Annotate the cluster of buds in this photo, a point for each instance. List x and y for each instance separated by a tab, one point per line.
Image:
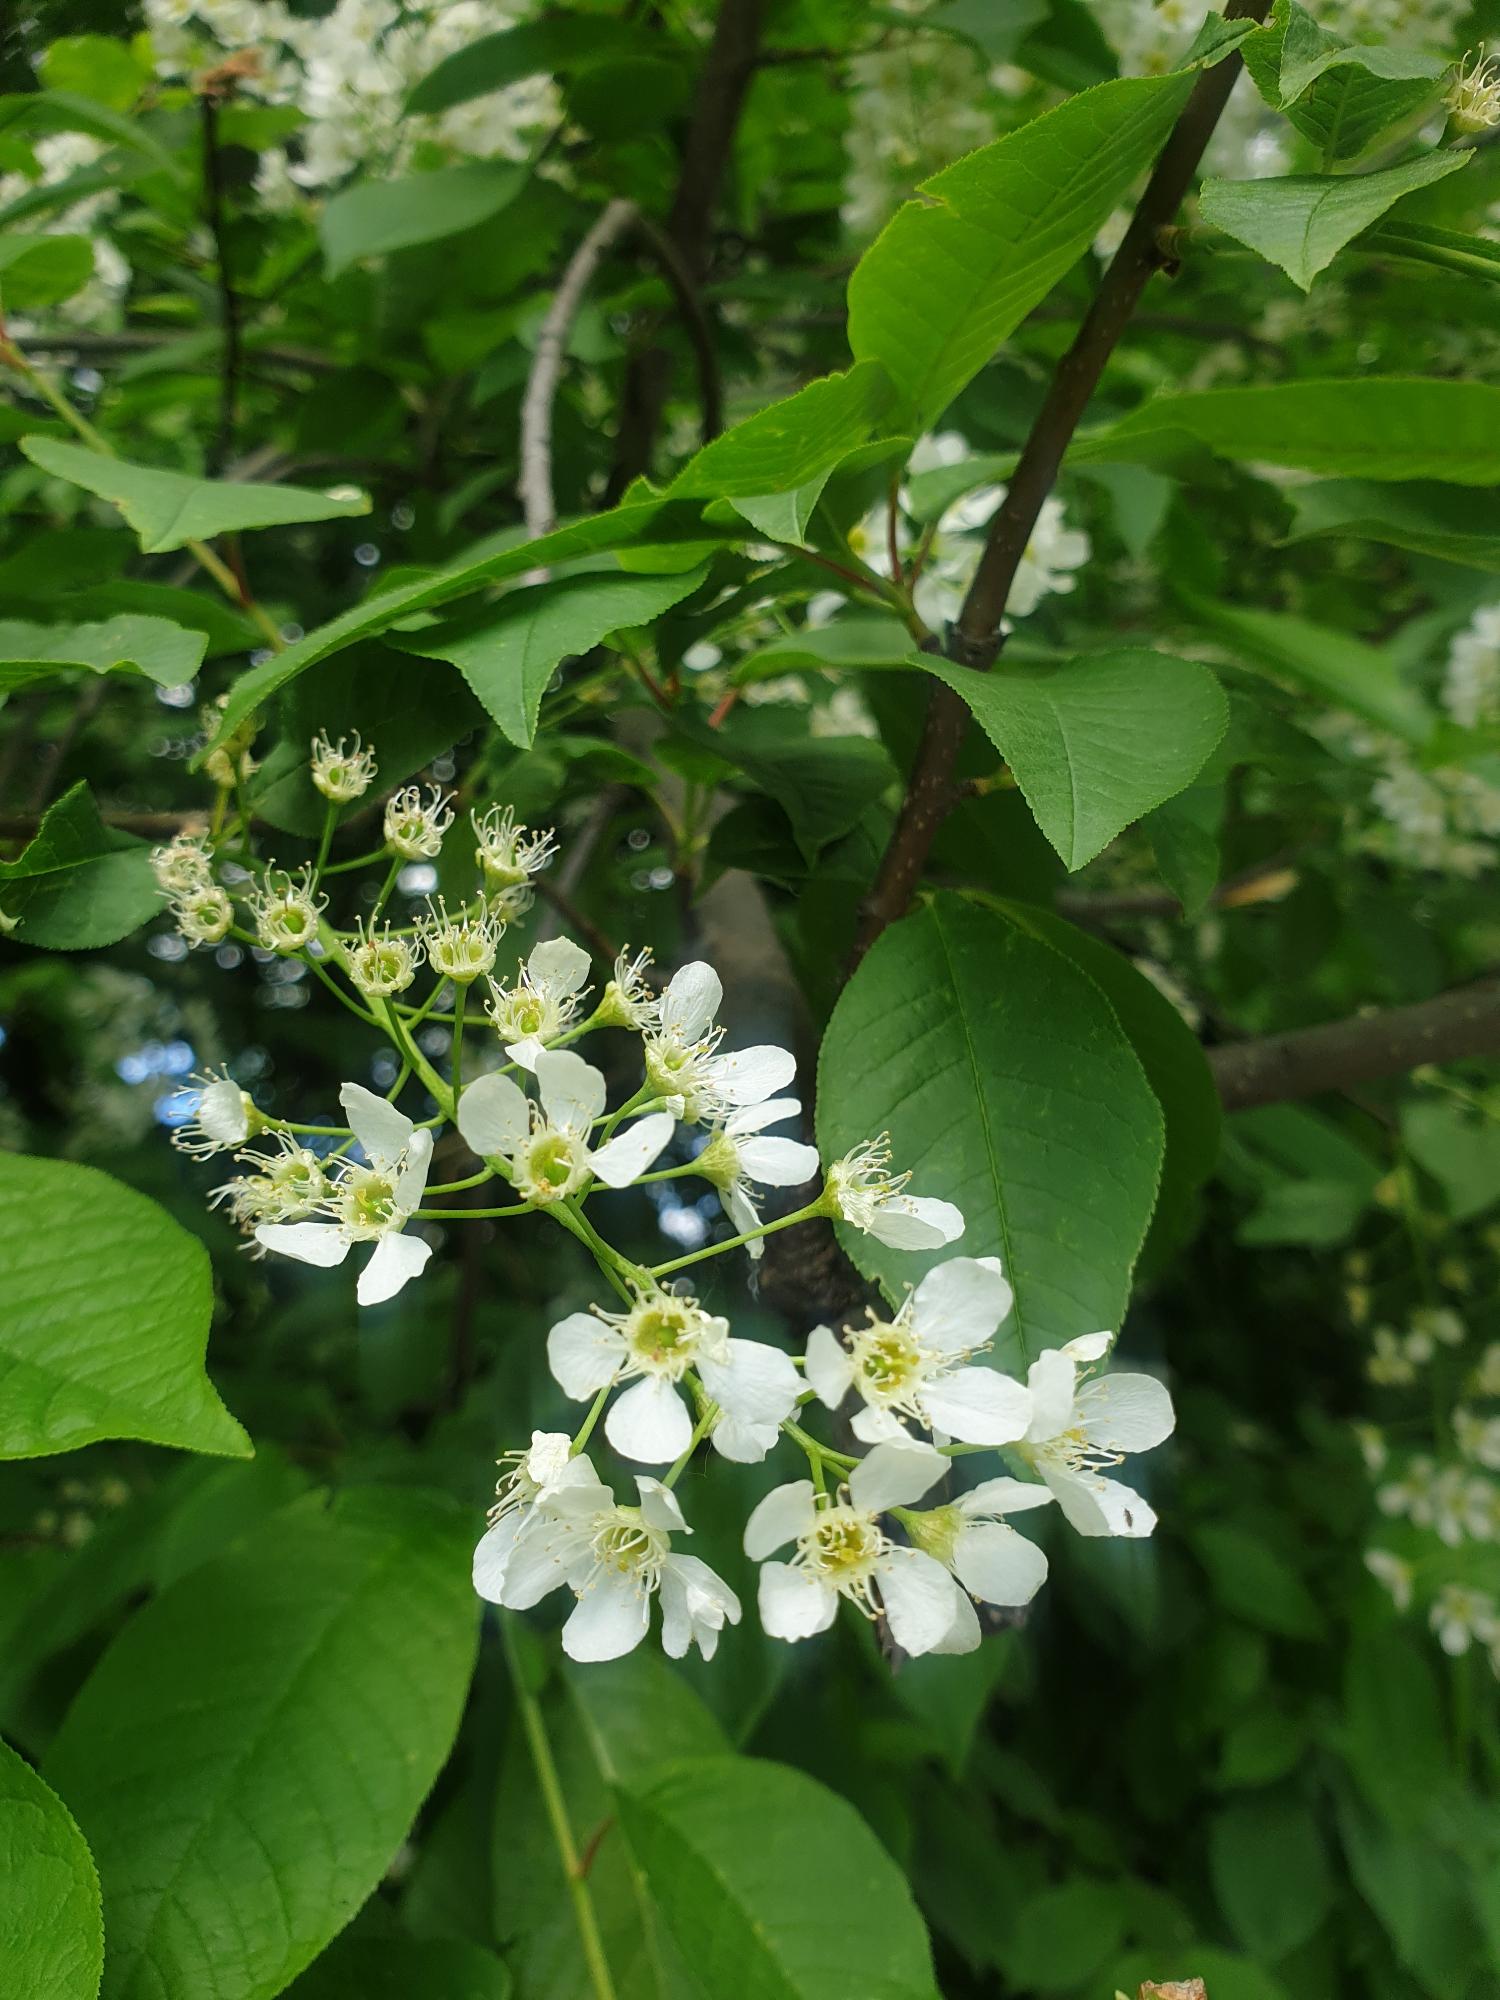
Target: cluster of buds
184	873
229	763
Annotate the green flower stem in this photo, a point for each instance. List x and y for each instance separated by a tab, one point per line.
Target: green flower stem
359	861
471	1214
701	1430
456	1187
456	1059
385	888
586	1428
627	1278
406	1047
330	821
737	1242
821	1453
550	1786
313	1131
321	972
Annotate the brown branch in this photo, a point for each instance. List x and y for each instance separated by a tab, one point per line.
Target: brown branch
695	318
1454	1027
973	640
535	485
728	70
1265	882
103	345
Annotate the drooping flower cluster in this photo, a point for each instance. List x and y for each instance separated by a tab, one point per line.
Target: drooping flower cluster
660	1372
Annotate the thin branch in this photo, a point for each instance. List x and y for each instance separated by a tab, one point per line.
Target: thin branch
973	640
699	327
1266	882
1454	1027
102	346
728	71
229	305
535	486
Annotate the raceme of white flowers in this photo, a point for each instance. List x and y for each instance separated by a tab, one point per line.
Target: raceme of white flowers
656	1370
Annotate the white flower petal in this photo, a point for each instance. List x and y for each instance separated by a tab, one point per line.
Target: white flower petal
749	1075
539	1562
573	1092
958	1305
785	1513
743	1441
895	1475
745	1216
964	1634
997	1564
634	1151
1086	1347
794	1605
830	1367
1125	1412
525	1052
492	1556
1002	1496
559	967
397	1259
916	1222
1051	1379
1097	1506
778	1162
691	1001
584	1354
649	1422
872	1425
382	1130
321	1243
412	1183
609	1620
493	1116
754	1382
221	1113
695	1603
756	1117
659	1507
977	1405
917	1594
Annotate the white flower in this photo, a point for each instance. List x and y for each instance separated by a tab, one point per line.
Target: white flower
1478	1438
654	1345
183	865
1485	1380
287	1186
682	1052
341	775
531	1477
1393	1574
546	1147
509	855
1459	1616
629	999
461	948
913	1365
543	1001
615	1559
1390	1364
204	916
221	1119
842	1551
1078	1428
740	1156
414	829
970	1538
286	910
1473	97
371	1203
380	961
862	1190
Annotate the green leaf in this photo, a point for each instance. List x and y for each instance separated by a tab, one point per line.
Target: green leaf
108	1302
251	1750
1302	222
1095	742
372	218
41	270
1063	1936
1419	1893
955	271
1381	427
1170	1053
155	647
1270	1871
170	509
641	523
1425	518
1340	97
1461	1152
509	652
560	45
1008	1086
823	784
51	1931
1185	840
78	884
785	446
402	1968
43	111
825	1915
994	27
1391	1729
1253	1581
860	641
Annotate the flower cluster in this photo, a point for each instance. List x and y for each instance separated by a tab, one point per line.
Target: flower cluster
659	1372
